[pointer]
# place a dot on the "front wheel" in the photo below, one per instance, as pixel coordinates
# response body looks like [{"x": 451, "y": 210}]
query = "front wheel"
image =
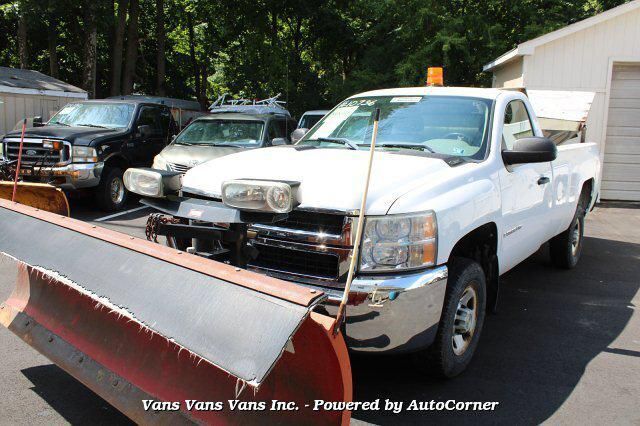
[
  {"x": 111, "y": 194},
  {"x": 461, "y": 320}
]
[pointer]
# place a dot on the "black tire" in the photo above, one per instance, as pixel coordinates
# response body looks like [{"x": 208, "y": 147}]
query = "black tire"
[
  {"x": 105, "y": 197},
  {"x": 443, "y": 358},
  {"x": 565, "y": 249}
]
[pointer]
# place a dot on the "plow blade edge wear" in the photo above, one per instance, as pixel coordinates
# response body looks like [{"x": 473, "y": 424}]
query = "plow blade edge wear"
[{"x": 137, "y": 321}]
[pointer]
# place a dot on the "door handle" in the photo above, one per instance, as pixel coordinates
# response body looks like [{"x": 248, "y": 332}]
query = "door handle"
[{"x": 543, "y": 180}]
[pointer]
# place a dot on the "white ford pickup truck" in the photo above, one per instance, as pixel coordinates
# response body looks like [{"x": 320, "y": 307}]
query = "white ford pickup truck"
[{"x": 463, "y": 188}]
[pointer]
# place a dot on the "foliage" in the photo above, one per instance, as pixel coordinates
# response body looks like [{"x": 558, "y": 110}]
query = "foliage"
[{"x": 314, "y": 52}]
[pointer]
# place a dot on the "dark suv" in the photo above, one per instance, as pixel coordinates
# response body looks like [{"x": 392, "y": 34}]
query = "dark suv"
[{"x": 89, "y": 145}]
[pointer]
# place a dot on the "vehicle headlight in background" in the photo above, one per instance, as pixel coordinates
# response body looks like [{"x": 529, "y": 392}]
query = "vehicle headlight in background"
[
  {"x": 152, "y": 183},
  {"x": 57, "y": 145},
  {"x": 260, "y": 195},
  {"x": 397, "y": 242},
  {"x": 160, "y": 163},
  {"x": 84, "y": 154}
]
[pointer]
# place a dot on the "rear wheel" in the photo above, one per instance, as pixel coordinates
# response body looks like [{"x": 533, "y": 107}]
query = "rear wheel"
[
  {"x": 111, "y": 194},
  {"x": 566, "y": 248},
  {"x": 461, "y": 320}
]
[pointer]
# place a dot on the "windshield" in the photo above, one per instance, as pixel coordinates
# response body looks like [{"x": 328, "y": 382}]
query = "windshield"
[
  {"x": 113, "y": 116},
  {"x": 309, "y": 120},
  {"x": 447, "y": 125},
  {"x": 222, "y": 132}
]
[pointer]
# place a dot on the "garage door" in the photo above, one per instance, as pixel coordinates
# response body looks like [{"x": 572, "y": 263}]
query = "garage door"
[{"x": 621, "y": 171}]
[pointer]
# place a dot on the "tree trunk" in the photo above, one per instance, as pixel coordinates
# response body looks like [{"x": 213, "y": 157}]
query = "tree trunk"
[
  {"x": 160, "y": 37},
  {"x": 52, "y": 41},
  {"x": 90, "y": 43},
  {"x": 118, "y": 41},
  {"x": 203, "y": 86},
  {"x": 22, "y": 40},
  {"x": 194, "y": 60},
  {"x": 131, "y": 55}
]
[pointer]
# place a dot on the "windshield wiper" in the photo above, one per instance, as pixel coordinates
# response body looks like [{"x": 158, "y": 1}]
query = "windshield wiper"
[
  {"x": 91, "y": 125},
  {"x": 343, "y": 141},
  {"x": 62, "y": 124},
  {"x": 182, "y": 143},
  {"x": 226, "y": 145},
  {"x": 408, "y": 146}
]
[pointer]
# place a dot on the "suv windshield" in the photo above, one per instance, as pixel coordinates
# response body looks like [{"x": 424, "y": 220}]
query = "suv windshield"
[
  {"x": 110, "y": 115},
  {"x": 447, "y": 125},
  {"x": 222, "y": 132}
]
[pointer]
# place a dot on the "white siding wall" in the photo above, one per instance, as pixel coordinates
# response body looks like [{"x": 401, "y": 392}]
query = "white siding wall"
[
  {"x": 510, "y": 74},
  {"x": 583, "y": 61},
  {"x": 580, "y": 61},
  {"x": 15, "y": 107}
]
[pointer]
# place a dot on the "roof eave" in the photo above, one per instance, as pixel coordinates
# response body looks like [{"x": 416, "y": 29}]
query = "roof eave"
[{"x": 503, "y": 59}]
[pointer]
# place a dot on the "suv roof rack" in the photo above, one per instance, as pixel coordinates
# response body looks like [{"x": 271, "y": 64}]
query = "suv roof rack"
[{"x": 249, "y": 106}]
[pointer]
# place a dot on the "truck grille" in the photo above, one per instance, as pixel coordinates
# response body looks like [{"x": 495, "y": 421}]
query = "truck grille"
[
  {"x": 298, "y": 262},
  {"x": 34, "y": 154},
  {"x": 311, "y": 246},
  {"x": 180, "y": 168},
  {"x": 313, "y": 222}
]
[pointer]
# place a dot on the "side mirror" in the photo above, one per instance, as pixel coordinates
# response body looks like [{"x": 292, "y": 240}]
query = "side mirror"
[
  {"x": 298, "y": 134},
  {"x": 37, "y": 121},
  {"x": 279, "y": 141},
  {"x": 145, "y": 130},
  {"x": 530, "y": 150}
]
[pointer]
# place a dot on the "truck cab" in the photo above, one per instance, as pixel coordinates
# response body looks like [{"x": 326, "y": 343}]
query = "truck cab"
[{"x": 88, "y": 145}]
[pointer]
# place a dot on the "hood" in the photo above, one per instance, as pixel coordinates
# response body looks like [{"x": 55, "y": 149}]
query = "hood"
[
  {"x": 190, "y": 155},
  {"x": 75, "y": 135},
  {"x": 330, "y": 179}
]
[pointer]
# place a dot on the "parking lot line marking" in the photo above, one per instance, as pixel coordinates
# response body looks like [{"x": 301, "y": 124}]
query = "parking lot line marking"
[{"x": 102, "y": 219}]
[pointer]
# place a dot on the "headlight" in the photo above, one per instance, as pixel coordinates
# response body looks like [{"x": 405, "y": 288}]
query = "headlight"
[
  {"x": 260, "y": 195},
  {"x": 2, "y": 150},
  {"x": 159, "y": 163},
  {"x": 397, "y": 242},
  {"x": 84, "y": 154},
  {"x": 152, "y": 183}
]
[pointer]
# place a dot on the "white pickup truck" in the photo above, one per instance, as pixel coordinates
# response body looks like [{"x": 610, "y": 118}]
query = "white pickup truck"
[{"x": 463, "y": 188}]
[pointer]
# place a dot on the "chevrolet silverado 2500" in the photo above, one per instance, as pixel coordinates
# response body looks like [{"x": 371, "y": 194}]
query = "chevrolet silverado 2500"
[{"x": 463, "y": 188}]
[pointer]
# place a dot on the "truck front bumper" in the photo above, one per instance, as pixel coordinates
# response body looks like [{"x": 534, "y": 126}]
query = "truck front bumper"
[
  {"x": 393, "y": 314},
  {"x": 69, "y": 177}
]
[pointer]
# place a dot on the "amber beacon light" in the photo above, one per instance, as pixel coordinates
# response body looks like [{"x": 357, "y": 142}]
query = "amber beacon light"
[{"x": 435, "y": 76}]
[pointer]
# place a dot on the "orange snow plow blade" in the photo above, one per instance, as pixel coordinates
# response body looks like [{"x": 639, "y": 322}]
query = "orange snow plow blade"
[
  {"x": 38, "y": 195},
  {"x": 149, "y": 328}
]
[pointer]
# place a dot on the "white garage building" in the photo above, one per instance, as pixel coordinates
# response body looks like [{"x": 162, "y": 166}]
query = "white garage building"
[
  {"x": 27, "y": 93},
  {"x": 602, "y": 55}
]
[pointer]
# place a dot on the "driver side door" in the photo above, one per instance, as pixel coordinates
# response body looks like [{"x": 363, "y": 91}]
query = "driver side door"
[
  {"x": 526, "y": 193},
  {"x": 148, "y": 144}
]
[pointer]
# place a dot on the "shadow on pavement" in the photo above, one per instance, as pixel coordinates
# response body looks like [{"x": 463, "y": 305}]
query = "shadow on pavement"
[
  {"x": 71, "y": 399},
  {"x": 551, "y": 323}
]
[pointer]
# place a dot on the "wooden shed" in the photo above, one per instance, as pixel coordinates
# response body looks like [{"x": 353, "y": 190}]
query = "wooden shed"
[
  {"x": 602, "y": 55},
  {"x": 27, "y": 93}
]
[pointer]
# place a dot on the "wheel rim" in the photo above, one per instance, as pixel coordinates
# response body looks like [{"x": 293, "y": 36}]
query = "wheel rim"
[
  {"x": 116, "y": 190},
  {"x": 575, "y": 239},
  {"x": 465, "y": 321}
]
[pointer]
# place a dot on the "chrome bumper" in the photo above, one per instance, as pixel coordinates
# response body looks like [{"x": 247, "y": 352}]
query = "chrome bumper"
[
  {"x": 393, "y": 314},
  {"x": 76, "y": 176}
]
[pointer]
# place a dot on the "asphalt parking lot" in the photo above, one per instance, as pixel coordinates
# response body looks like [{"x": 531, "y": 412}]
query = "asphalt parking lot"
[{"x": 563, "y": 348}]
